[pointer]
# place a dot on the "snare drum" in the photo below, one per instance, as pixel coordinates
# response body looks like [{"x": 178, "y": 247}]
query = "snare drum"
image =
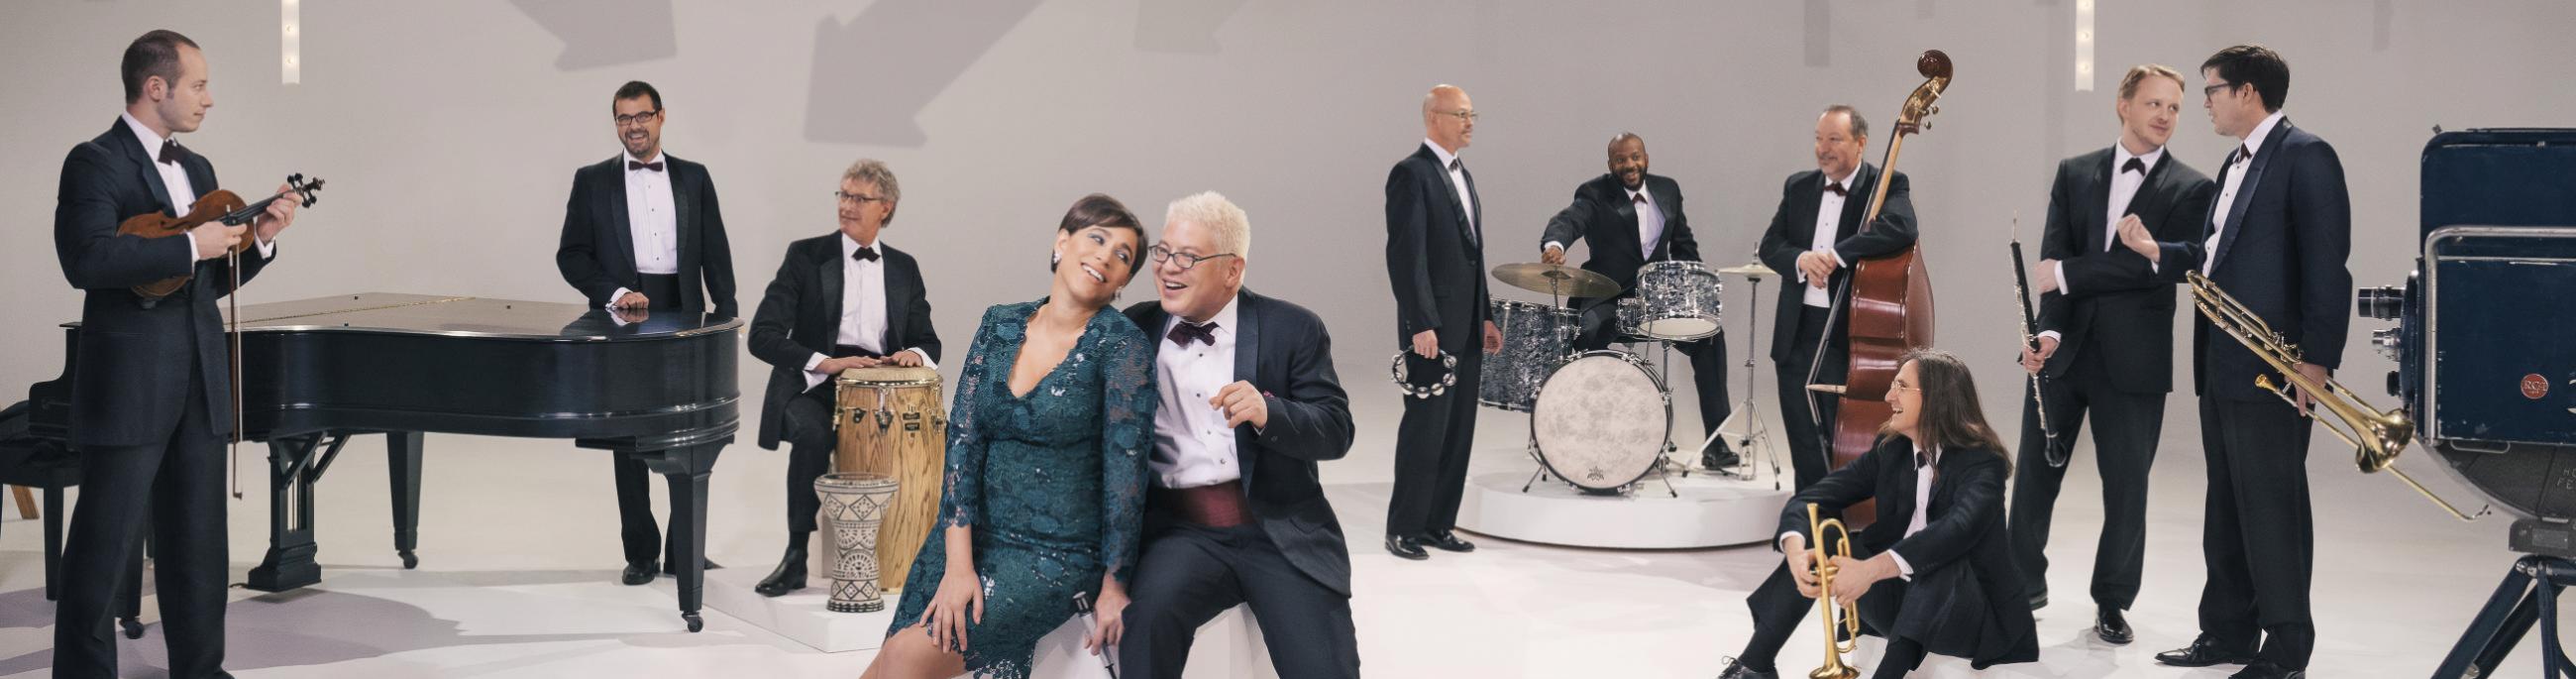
[
  {"x": 1680, "y": 300},
  {"x": 1536, "y": 339},
  {"x": 1601, "y": 421},
  {"x": 890, "y": 422},
  {"x": 1631, "y": 317}
]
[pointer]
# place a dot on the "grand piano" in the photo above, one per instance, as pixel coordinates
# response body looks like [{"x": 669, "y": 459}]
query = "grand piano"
[{"x": 661, "y": 389}]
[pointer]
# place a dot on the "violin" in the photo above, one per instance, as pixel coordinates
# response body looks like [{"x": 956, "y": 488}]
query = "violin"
[{"x": 217, "y": 207}]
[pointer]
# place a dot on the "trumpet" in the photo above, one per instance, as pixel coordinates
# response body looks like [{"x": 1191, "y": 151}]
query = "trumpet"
[
  {"x": 2376, "y": 436},
  {"x": 1849, "y": 641}
]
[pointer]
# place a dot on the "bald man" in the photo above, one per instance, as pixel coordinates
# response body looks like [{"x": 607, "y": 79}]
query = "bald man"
[{"x": 1435, "y": 257}]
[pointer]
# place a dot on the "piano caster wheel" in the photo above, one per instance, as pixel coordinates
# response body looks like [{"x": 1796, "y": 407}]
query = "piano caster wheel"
[
  {"x": 695, "y": 623},
  {"x": 133, "y": 627},
  {"x": 410, "y": 561}
]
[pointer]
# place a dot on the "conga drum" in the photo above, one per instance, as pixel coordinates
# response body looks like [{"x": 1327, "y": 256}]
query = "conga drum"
[{"x": 891, "y": 423}]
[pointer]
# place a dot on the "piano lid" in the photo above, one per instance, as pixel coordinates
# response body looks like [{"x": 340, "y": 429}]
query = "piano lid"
[{"x": 401, "y": 313}]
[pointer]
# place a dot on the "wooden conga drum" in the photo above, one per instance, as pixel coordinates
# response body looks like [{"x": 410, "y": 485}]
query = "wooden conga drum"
[{"x": 890, "y": 422}]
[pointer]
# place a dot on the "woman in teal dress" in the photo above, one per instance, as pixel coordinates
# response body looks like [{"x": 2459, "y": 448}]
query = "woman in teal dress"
[{"x": 1047, "y": 445}]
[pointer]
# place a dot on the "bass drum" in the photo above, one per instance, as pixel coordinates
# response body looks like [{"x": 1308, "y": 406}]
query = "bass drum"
[{"x": 1601, "y": 421}]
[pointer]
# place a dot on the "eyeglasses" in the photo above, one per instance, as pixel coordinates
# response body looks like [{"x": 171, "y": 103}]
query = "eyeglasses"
[
  {"x": 644, "y": 118},
  {"x": 1464, "y": 114},
  {"x": 1164, "y": 254},
  {"x": 2213, "y": 90},
  {"x": 860, "y": 198}
]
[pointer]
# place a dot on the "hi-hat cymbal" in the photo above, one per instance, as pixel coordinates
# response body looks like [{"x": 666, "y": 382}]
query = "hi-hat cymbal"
[
  {"x": 1753, "y": 270},
  {"x": 1555, "y": 279}
]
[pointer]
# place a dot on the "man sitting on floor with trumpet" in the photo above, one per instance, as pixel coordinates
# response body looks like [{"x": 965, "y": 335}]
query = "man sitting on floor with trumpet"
[{"x": 1934, "y": 574}]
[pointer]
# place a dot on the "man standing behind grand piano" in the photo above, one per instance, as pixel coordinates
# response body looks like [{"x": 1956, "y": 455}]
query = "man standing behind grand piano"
[
  {"x": 840, "y": 301},
  {"x": 150, "y": 386},
  {"x": 643, "y": 231}
]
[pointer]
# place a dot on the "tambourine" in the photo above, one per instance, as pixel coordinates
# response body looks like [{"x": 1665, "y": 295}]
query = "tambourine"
[{"x": 1448, "y": 364}]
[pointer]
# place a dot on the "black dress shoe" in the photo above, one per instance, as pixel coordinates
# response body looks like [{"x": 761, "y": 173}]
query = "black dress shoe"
[
  {"x": 2112, "y": 628},
  {"x": 1405, "y": 547},
  {"x": 1448, "y": 540},
  {"x": 637, "y": 573},
  {"x": 789, "y": 577},
  {"x": 2203, "y": 653},
  {"x": 1735, "y": 670},
  {"x": 2266, "y": 670},
  {"x": 673, "y": 568},
  {"x": 1717, "y": 456}
]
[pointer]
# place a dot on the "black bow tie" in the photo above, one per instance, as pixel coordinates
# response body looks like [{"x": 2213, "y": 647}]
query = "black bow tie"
[
  {"x": 865, "y": 254},
  {"x": 633, "y": 165},
  {"x": 1185, "y": 332},
  {"x": 1456, "y": 165},
  {"x": 1836, "y": 188},
  {"x": 1922, "y": 459},
  {"x": 170, "y": 152},
  {"x": 2243, "y": 153},
  {"x": 1638, "y": 198},
  {"x": 2134, "y": 165}
]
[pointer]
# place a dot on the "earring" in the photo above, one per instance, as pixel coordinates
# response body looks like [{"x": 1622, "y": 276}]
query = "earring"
[{"x": 1057, "y": 259}]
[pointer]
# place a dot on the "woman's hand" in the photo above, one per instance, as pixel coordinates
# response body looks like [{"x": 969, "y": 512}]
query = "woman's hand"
[
  {"x": 960, "y": 601},
  {"x": 1108, "y": 616}
]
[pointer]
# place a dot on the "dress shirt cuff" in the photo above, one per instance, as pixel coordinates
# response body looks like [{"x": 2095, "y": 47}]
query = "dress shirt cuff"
[
  {"x": 812, "y": 363},
  {"x": 267, "y": 248},
  {"x": 1904, "y": 570},
  {"x": 1838, "y": 258},
  {"x": 925, "y": 358},
  {"x": 614, "y": 296},
  {"x": 190, "y": 254},
  {"x": 1782, "y": 541},
  {"x": 1552, "y": 245},
  {"x": 2052, "y": 334},
  {"x": 2060, "y": 272}
]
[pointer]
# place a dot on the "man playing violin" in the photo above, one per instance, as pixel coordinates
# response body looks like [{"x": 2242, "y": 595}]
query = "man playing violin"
[{"x": 150, "y": 390}]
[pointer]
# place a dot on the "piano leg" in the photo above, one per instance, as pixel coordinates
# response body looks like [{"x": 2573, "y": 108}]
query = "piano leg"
[
  {"x": 295, "y": 463},
  {"x": 53, "y": 540},
  {"x": 685, "y": 469},
  {"x": 402, "y": 457}
]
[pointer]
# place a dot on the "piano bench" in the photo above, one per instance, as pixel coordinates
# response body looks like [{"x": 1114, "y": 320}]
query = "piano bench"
[{"x": 45, "y": 466}]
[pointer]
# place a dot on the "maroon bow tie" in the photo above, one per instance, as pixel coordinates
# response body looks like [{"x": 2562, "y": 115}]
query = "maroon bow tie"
[
  {"x": 1836, "y": 188},
  {"x": 1185, "y": 332},
  {"x": 633, "y": 165}
]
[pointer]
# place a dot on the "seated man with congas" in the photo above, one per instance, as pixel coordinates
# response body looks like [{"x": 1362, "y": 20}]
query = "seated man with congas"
[
  {"x": 1934, "y": 573},
  {"x": 839, "y": 302},
  {"x": 1634, "y": 221}
]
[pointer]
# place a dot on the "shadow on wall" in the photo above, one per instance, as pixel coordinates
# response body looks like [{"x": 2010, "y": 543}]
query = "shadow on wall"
[
  {"x": 873, "y": 75},
  {"x": 635, "y": 32}
]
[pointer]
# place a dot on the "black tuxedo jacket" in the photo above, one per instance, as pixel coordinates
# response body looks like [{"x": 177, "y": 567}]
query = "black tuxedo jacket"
[
  {"x": 1283, "y": 350},
  {"x": 2118, "y": 300},
  {"x": 130, "y": 368},
  {"x": 1433, "y": 257},
  {"x": 2282, "y": 255},
  {"x": 1793, "y": 231},
  {"x": 1966, "y": 599},
  {"x": 597, "y": 252},
  {"x": 1602, "y": 215},
  {"x": 800, "y": 316}
]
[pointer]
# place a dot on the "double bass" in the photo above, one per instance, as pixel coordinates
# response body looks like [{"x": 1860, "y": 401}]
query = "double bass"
[{"x": 1889, "y": 300}]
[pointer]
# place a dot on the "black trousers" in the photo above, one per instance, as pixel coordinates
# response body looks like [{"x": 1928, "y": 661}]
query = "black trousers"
[
  {"x": 1189, "y": 574},
  {"x": 1707, "y": 360},
  {"x": 1778, "y": 609},
  {"x": 636, "y": 527},
  {"x": 2257, "y": 534},
  {"x": 1435, "y": 438},
  {"x": 1808, "y": 449},
  {"x": 181, "y": 482},
  {"x": 2126, "y": 427},
  {"x": 810, "y": 446}
]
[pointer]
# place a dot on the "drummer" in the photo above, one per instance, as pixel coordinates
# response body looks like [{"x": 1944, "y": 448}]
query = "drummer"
[
  {"x": 1632, "y": 218},
  {"x": 840, "y": 301}
]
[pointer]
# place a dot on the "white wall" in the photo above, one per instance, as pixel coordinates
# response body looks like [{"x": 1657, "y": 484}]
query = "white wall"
[{"x": 449, "y": 131}]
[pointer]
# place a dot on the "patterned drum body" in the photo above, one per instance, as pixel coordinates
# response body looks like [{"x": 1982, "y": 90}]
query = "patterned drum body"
[
  {"x": 854, "y": 505},
  {"x": 1601, "y": 421},
  {"x": 1536, "y": 339},
  {"x": 1680, "y": 300}
]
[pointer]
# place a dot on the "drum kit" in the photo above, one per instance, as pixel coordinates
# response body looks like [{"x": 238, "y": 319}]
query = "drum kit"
[{"x": 1602, "y": 420}]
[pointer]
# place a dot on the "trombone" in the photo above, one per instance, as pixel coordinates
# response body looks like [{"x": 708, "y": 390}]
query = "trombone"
[
  {"x": 2376, "y": 437},
  {"x": 1835, "y": 645}
]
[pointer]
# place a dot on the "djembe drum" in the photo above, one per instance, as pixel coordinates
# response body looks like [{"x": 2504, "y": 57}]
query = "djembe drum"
[{"x": 853, "y": 507}]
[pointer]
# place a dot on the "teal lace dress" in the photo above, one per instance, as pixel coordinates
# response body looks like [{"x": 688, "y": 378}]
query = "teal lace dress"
[{"x": 1053, "y": 483}]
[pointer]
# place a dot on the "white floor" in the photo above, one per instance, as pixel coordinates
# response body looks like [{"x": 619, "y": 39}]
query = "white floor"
[{"x": 519, "y": 557}]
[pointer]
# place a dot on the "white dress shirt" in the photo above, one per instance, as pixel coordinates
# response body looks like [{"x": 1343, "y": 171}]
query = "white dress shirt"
[
  {"x": 1829, "y": 219},
  {"x": 174, "y": 176},
  {"x": 1192, "y": 445},
  {"x": 2124, "y": 187},
  {"x": 651, "y": 220},
  {"x": 1458, "y": 183},
  {"x": 863, "y": 309},
  {"x": 2239, "y": 163}
]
